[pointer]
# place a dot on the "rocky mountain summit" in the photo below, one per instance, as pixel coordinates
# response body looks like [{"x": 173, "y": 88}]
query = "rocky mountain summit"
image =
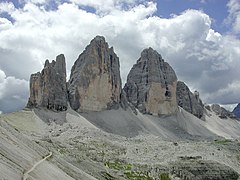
[
  {"x": 95, "y": 82},
  {"x": 95, "y": 85},
  {"x": 151, "y": 84},
  {"x": 48, "y": 89},
  {"x": 188, "y": 100}
]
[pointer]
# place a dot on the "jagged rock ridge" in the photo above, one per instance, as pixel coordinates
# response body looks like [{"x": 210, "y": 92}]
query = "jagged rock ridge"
[
  {"x": 95, "y": 82},
  {"x": 189, "y": 101},
  {"x": 151, "y": 84},
  {"x": 220, "y": 111},
  {"x": 48, "y": 88}
]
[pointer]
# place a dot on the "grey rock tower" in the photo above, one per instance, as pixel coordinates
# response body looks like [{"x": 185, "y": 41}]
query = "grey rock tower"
[
  {"x": 95, "y": 82},
  {"x": 48, "y": 88},
  {"x": 151, "y": 85}
]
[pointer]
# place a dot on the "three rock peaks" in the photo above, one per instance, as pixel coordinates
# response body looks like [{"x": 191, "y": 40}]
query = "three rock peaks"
[{"x": 95, "y": 84}]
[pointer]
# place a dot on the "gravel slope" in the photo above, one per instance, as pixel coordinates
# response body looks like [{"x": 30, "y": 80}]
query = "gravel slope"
[{"x": 83, "y": 145}]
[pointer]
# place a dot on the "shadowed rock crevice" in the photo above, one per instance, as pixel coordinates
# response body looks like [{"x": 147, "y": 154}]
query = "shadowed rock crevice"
[{"x": 189, "y": 101}]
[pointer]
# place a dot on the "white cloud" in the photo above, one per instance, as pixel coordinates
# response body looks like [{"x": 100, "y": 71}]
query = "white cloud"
[
  {"x": 203, "y": 1},
  {"x": 5, "y": 24},
  {"x": 2, "y": 76},
  {"x": 229, "y": 107},
  {"x": 37, "y": 2},
  {"x": 204, "y": 59},
  {"x": 6, "y": 7},
  {"x": 231, "y": 91},
  {"x": 13, "y": 93},
  {"x": 234, "y": 15},
  {"x": 106, "y": 6}
]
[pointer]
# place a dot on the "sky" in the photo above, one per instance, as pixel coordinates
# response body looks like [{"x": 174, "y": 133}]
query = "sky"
[{"x": 200, "y": 39}]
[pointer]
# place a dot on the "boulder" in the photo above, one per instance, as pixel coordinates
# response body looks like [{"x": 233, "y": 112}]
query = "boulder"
[
  {"x": 48, "y": 89},
  {"x": 151, "y": 85},
  {"x": 95, "y": 82},
  {"x": 188, "y": 100}
]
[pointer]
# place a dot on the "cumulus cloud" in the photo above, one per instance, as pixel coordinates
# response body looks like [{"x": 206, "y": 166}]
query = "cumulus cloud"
[
  {"x": 13, "y": 93},
  {"x": 37, "y": 1},
  {"x": 234, "y": 15},
  {"x": 231, "y": 91},
  {"x": 6, "y": 7},
  {"x": 107, "y": 6},
  {"x": 2, "y": 76},
  {"x": 206, "y": 60}
]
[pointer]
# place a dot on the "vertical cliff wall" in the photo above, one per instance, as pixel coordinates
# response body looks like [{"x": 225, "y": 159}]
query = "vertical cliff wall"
[
  {"x": 151, "y": 84},
  {"x": 48, "y": 88}
]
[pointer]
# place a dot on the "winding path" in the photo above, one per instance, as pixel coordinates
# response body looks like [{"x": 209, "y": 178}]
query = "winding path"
[{"x": 26, "y": 174}]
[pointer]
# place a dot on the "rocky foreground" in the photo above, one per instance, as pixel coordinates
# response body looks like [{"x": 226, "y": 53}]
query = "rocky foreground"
[
  {"x": 82, "y": 149},
  {"x": 92, "y": 128}
]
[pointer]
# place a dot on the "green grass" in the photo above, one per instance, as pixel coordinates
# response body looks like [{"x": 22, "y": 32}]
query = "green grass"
[
  {"x": 222, "y": 141},
  {"x": 127, "y": 171},
  {"x": 108, "y": 176},
  {"x": 133, "y": 171},
  {"x": 118, "y": 166},
  {"x": 164, "y": 176},
  {"x": 62, "y": 151}
]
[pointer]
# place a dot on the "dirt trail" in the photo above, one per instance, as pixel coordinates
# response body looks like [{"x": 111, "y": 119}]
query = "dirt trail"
[{"x": 26, "y": 174}]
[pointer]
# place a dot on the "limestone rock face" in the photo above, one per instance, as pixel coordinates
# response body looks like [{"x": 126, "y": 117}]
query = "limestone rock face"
[
  {"x": 48, "y": 88},
  {"x": 151, "y": 84},
  {"x": 95, "y": 82},
  {"x": 188, "y": 100}
]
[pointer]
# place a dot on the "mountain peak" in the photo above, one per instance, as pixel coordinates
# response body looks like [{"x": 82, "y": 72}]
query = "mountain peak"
[
  {"x": 98, "y": 41},
  {"x": 150, "y": 54},
  {"x": 98, "y": 38},
  {"x": 95, "y": 82},
  {"x": 151, "y": 84}
]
